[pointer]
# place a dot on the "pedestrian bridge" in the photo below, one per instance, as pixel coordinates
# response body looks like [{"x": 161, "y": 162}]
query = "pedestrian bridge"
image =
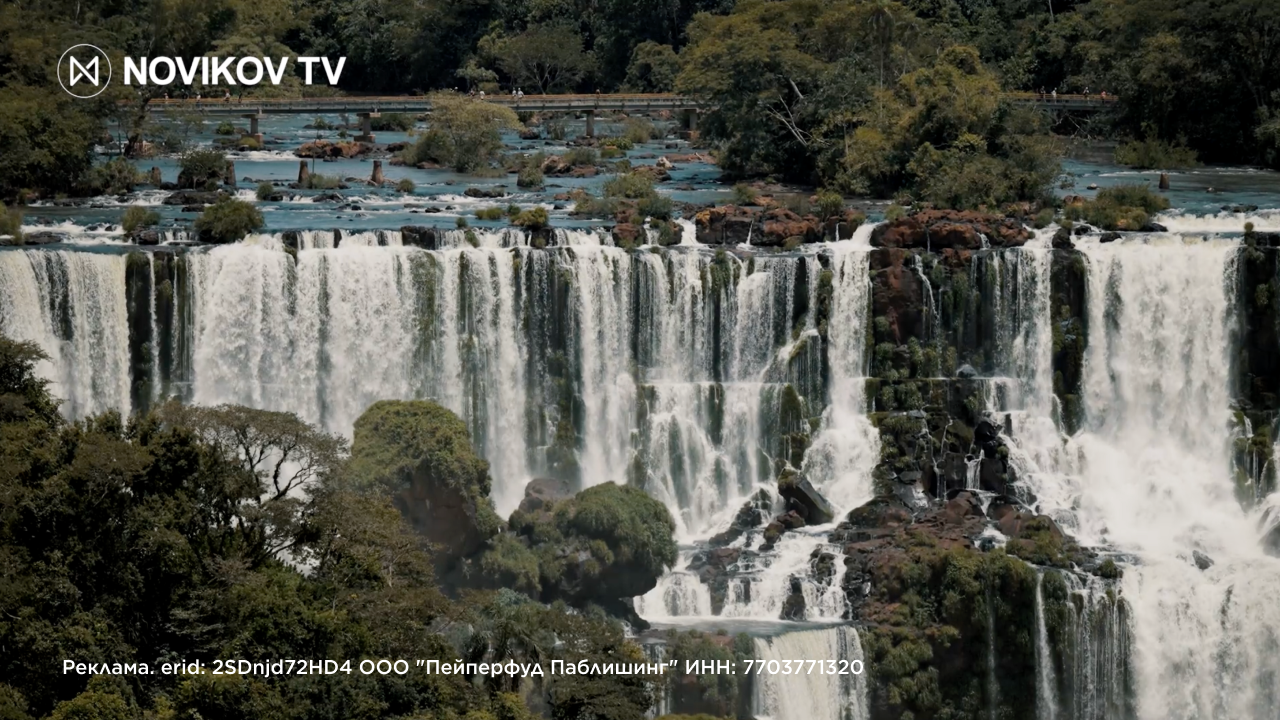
[
  {"x": 614, "y": 102},
  {"x": 356, "y": 104}
]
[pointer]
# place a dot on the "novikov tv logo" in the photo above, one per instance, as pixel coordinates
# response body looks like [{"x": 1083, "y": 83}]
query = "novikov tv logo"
[{"x": 84, "y": 71}]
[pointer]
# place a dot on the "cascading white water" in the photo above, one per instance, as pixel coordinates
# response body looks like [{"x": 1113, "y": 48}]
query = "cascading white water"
[
  {"x": 601, "y": 279},
  {"x": 1023, "y": 336},
  {"x": 680, "y": 594},
  {"x": 847, "y": 446},
  {"x": 707, "y": 342},
  {"x": 760, "y": 308},
  {"x": 71, "y": 304},
  {"x": 761, "y": 592},
  {"x": 480, "y": 364},
  {"x": 1098, "y": 649},
  {"x": 811, "y": 694},
  {"x": 332, "y": 329},
  {"x": 1150, "y": 475}
]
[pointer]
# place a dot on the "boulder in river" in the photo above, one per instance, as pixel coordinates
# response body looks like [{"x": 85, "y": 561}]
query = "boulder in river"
[
  {"x": 194, "y": 197},
  {"x": 497, "y": 191},
  {"x": 43, "y": 237},
  {"x": 750, "y": 516},
  {"x": 1202, "y": 561},
  {"x": 427, "y": 238},
  {"x": 1062, "y": 240},
  {"x": 804, "y": 499},
  {"x": 773, "y": 227},
  {"x": 541, "y": 493}
]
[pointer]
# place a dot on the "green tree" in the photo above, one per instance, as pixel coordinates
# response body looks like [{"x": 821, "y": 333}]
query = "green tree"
[
  {"x": 228, "y": 220},
  {"x": 463, "y": 132},
  {"x": 46, "y": 139},
  {"x": 752, "y": 69},
  {"x": 943, "y": 134},
  {"x": 653, "y": 68},
  {"x": 136, "y": 216},
  {"x": 548, "y": 57},
  {"x": 474, "y": 75}
]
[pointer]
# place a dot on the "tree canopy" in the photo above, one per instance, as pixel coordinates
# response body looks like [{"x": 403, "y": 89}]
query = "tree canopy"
[{"x": 203, "y": 533}]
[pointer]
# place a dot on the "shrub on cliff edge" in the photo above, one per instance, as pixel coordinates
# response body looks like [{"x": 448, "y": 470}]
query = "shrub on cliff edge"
[
  {"x": 137, "y": 217},
  {"x": 228, "y": 221}
]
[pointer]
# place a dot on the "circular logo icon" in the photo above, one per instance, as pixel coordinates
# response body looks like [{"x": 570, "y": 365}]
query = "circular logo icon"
[{"x": 84, "y": 71}]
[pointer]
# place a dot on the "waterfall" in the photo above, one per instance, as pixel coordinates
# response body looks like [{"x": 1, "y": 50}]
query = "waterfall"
[
  {"x": 1149, "y": 474},
  {"x": 1046, "y": 684},
  {"x": 579, "y": 360},
  {"x": 601, "y": 277},
  {"x": 71, "y": 304},
  {"x": 811, "y": 694},
  {"x": 679, "y": 594},
  {"x": 1023, "y": 336},
  {"x": 685, "y": 372},
  {"x": 1096, "y": 649},
  {"x": 847, "y": 446}
]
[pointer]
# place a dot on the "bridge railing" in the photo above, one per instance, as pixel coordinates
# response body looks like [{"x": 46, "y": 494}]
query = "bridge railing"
[
  {"x": 392, "y": 103},
  {"x": 612, "y": 101}
]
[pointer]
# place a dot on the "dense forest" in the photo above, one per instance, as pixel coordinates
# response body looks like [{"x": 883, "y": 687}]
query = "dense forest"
[
  {"x": 225, "y": 532},
  {"x": 859, "y": 96}
]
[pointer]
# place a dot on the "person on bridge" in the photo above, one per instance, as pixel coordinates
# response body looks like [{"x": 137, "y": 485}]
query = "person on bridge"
[
  {"x": 519, "y": 94},
  {"x": 1055, "y": 94}
]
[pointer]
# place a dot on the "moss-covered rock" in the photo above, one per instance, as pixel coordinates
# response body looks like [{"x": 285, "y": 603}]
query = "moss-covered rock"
[
  {"x": 603, "y": 545},
  {"x": 421, "y": 453},
  {"x": 936, "y": 609}
]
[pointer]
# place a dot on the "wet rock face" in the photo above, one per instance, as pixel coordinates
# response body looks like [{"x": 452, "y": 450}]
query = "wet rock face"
[
  {"x": 628, "y": 235},
  {"x": 725, "y": 225},
  {"x": 715, "y": 567},
  {"x": 897, "y": 293},
  {"x": 804, "y": 500},
  {"x": 1271, "y": 541},
  {"x": 794, "y": 606},
  {"x": 43, "y": 237},
  {"x": 775, "y": 227},
  {"x": 541, "y": 493},
  {"x": 753, "y": 513},
  {"x": 930, "y": 602},
  {"x": 419, "y": 236},
  {"x": 1257, "y": 364},
  {"x": 950, "y": 229}
]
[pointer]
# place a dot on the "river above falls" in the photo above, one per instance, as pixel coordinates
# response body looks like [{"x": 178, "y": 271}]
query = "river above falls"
[{"x": 1221, "y": 198}]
